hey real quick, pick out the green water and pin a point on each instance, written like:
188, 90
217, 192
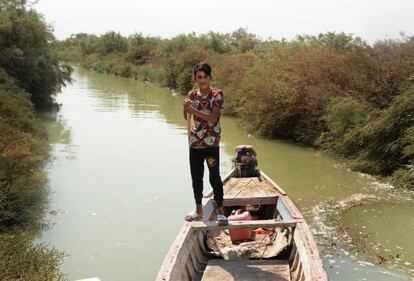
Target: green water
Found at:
120, 181
379, 229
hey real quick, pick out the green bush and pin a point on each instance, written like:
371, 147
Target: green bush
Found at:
341, 116
29, 73
344, 113
111, 42
384, 143
22, 260
179, 69
288, 99
228, 72
404, 177
22, 155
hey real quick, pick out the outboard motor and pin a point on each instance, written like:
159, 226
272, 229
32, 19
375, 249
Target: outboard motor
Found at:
245, 161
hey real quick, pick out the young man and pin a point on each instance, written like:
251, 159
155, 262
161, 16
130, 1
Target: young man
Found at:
205, 104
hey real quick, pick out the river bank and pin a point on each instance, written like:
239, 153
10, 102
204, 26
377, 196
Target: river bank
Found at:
333, 91
26, 44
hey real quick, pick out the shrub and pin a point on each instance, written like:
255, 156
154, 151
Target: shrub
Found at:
27, 55
404, 177
384, 144
22, 260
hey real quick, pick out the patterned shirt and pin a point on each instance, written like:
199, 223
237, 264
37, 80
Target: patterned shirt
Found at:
203, 133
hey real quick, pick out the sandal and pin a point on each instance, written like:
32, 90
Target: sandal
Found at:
222, 220
193, 216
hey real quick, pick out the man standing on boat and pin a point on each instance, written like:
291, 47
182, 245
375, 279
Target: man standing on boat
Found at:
204, 105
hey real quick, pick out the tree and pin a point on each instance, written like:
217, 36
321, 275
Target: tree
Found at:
243, 41
112, 42
26, 52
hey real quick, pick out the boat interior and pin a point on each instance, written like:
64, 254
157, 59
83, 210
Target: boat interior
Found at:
280, 246
265, 255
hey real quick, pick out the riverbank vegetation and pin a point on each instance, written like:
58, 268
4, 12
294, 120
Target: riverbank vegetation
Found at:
332, 91
30, 76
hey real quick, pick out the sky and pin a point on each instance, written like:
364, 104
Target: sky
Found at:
369, 19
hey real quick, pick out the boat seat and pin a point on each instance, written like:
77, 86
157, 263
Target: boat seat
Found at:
211, 225
247, 270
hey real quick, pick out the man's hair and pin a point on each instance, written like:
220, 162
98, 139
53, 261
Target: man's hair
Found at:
202, 67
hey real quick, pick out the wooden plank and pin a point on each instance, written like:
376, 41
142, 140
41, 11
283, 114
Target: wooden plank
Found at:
244, 270
304, 257
250, 201
244, 187
207, 225
251, 190
283, 211
175, 261
266, 187
234, 191
250, 187
278, 188
259, 180
309, 254
290, 207
255, 181
269, 189
230, 184
232, 181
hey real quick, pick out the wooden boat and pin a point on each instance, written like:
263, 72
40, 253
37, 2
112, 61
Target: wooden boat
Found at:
296, 257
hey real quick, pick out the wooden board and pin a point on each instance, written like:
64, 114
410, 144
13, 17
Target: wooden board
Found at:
247, 270
250, 201
207, 225
249, 188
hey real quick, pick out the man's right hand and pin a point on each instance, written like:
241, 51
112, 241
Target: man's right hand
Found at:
187, 102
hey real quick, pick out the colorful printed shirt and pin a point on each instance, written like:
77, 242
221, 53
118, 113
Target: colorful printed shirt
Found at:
203, 133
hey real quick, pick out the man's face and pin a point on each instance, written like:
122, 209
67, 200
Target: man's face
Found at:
203, 80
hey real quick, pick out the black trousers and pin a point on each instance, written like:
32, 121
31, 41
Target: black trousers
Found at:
197, 158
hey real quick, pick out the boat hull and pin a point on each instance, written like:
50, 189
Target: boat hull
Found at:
190, 258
